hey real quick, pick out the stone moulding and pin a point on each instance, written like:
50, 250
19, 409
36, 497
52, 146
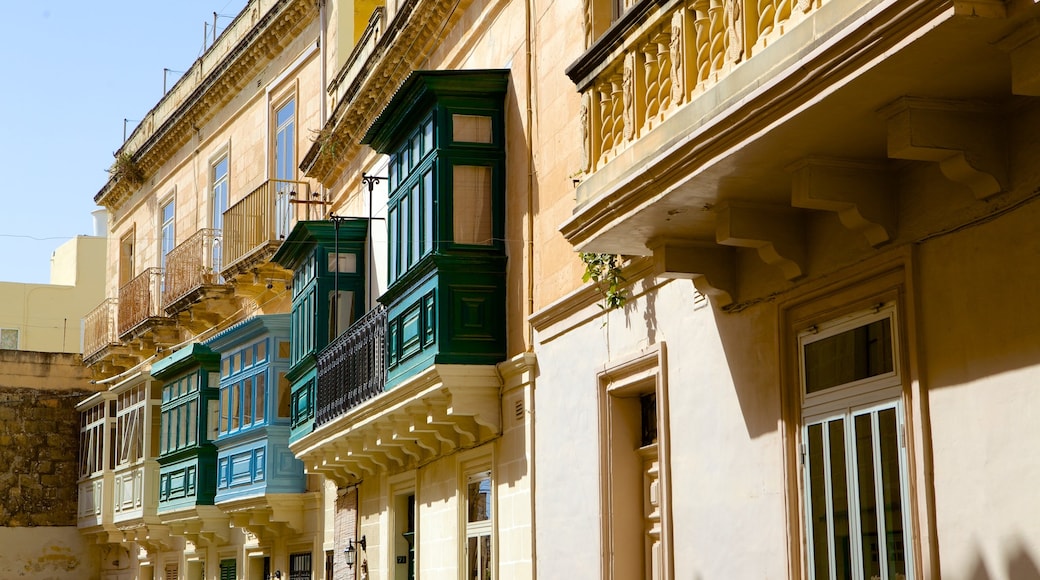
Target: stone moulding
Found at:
158, 138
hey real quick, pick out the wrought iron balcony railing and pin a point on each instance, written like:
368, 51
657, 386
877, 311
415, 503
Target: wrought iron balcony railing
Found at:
140, 300
193, 264
99, 328
261, 219
352, 368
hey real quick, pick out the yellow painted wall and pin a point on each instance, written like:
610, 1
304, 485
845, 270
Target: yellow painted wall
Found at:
48, 316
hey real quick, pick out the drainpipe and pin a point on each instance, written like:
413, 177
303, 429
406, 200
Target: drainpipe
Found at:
528, 23
528, 55
322, 55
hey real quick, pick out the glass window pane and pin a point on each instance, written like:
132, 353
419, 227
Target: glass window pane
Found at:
816, 488
428, 136
261, 351
346, 264
413, 198
471, 128
867, 503
225, 414
341, 312
840, 499
478, 495
164, 429
192, 422
849, 356
405, 227
261, 396
247, 402
393, 243
472, 204
427, 212
892, 493
236, 405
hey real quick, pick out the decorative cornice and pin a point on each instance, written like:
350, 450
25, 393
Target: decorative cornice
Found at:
417, 25
157, 139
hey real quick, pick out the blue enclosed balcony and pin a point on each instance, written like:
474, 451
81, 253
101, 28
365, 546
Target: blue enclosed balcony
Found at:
260, 484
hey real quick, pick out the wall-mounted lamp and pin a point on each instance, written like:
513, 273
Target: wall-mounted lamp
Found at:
351, 553
276, 576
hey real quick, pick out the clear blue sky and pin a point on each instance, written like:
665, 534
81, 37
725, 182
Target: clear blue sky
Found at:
71, 72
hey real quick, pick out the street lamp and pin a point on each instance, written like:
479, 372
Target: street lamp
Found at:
351, 553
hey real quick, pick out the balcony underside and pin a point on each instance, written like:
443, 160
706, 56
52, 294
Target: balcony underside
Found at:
154, 537
202, 525
443, 409
140, 343
256, 278
272, 516
745, 162
205, 307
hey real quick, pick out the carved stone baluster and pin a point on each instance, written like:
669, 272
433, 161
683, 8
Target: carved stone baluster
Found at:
628, 96
677, 54
734, 20
766, 18
702, 28
586, 132
587, 23
606, 109
662, 44
716, 20
651, 68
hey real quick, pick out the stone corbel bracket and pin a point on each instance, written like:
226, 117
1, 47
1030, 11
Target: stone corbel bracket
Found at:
962, 137
709, 266
860, 192
777, 233
1023, 45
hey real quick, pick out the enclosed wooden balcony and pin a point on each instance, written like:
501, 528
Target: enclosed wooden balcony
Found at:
194, 290
352, 368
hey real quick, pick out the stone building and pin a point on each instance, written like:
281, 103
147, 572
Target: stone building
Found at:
39, 434
348, 333
826, 359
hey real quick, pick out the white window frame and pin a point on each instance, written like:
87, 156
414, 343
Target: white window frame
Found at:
846, 402
480, 529
216, 219
167, 244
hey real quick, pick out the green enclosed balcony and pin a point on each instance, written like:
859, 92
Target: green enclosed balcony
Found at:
444, 133
328, 262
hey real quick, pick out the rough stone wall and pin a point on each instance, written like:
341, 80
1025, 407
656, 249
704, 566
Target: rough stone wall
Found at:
39, 433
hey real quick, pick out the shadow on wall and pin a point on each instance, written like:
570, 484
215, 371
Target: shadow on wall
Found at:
1018, 564
749, 339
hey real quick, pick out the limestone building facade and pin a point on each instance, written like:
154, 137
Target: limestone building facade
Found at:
348, 332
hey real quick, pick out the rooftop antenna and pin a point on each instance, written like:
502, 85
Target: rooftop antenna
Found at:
164, 72
125, 121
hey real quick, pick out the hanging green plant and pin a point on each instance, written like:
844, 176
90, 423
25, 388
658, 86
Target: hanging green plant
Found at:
126, 168
328, 143
605, 270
